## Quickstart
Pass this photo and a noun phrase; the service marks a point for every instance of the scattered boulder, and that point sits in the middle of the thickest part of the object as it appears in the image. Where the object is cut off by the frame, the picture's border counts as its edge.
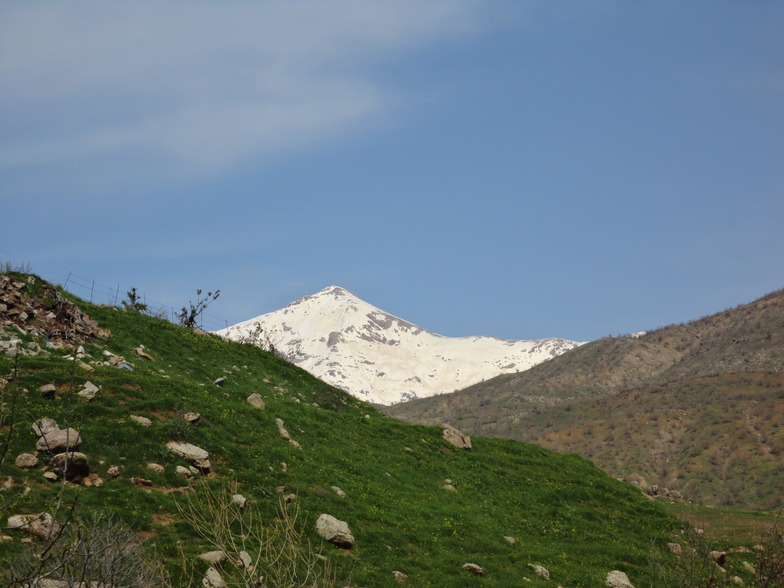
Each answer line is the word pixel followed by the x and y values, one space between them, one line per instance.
pixel 214 558
pixel 247 561
pixel 40 525
pixel 338 491
pixel 616 579
pixel 285 434
pixel 400 577
pixel 219 382
pixel 192 417
pixel 720 557
pixel 675 548
pixel 71 465
pixel 113 471
pixel 143 421
pixel 256 401
pixel 88 391
pixel 334 531
pixel 540 571
pixel 510 540
pixel 196 455
pixel 156 467
pixel 474 569
pixel 213 579
pixel 239 500
pixel 93 479
pixel 45 425
pixel 456 438
pixel 48 391
pixel 183 471
pixel 59 441
pixel 26 461
pixel 140 351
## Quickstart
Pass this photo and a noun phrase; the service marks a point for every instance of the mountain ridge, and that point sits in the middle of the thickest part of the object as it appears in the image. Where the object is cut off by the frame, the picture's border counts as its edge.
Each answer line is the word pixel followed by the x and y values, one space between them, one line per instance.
pixel 382 358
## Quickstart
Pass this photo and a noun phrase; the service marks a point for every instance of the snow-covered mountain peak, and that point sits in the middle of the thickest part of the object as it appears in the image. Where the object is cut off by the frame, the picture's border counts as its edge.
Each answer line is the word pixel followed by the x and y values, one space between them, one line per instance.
pixel 379 357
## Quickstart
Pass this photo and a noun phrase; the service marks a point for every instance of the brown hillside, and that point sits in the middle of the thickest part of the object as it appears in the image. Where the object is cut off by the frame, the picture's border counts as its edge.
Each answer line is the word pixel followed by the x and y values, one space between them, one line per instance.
pixel 697 362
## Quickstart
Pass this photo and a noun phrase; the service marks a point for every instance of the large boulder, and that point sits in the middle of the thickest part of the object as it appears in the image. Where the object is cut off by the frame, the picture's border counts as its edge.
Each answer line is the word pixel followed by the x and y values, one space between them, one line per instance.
pixel 456 438
pixel 59 441
pixel 335 531
pixel 40 525
pixel 71 465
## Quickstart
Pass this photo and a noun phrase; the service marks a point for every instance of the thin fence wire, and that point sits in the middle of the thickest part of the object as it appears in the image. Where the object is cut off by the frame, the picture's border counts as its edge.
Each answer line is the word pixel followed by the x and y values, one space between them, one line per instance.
pixel 98 293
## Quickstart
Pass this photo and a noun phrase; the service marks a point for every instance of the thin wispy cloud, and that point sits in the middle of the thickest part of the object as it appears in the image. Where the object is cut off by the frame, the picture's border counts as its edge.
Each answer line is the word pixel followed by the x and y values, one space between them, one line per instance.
pixel 187 89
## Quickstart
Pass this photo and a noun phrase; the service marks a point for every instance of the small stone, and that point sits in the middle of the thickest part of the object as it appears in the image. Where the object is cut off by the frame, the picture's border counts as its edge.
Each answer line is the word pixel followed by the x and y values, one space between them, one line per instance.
pixel 183 471
pixel 89 391
pixel 48 391
pixel 400 577
pixel 156 467
pixel 540 571
pixel 93 480
pixel 51 476
pixel 256 401
pixel 246 560
pixel 213 579
pixel 338 491
pixel 510 540
pixel 141 481
pixel 474 569
pixel 113 471
pixel 143 421
pixel 239 500
pixel 86 367
pixel 616 579
pixel 26 461
pixel 219 382
pixel 213 558
pixel 192 417
pixel 675 548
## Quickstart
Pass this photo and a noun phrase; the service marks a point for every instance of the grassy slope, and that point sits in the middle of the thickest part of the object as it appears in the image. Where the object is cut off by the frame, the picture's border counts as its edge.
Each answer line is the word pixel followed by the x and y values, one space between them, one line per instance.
pixel 564 513
pixel 693 394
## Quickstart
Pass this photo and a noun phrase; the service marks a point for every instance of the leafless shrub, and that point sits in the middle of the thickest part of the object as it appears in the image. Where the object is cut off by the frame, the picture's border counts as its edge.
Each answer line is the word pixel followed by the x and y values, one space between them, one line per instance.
pixel 99 551
pixel 770 559
pixel 273 554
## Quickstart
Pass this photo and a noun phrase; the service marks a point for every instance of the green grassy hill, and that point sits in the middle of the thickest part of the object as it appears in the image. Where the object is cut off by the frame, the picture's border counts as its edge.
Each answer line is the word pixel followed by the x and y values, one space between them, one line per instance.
pixel 694 407
pixel 561 511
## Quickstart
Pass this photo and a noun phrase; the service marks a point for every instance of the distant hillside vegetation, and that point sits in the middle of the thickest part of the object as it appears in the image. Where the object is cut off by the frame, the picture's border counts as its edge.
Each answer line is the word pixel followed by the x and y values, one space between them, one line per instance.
pixel 695 407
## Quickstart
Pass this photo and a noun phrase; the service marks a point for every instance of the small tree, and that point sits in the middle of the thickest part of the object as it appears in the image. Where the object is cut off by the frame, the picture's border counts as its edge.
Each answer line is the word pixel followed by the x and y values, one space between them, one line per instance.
pixel 133 302
pixel 188 316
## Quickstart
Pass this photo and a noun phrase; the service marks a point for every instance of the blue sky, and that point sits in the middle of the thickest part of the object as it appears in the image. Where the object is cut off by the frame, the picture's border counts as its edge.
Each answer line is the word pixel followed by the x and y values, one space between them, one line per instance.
pixel 520 169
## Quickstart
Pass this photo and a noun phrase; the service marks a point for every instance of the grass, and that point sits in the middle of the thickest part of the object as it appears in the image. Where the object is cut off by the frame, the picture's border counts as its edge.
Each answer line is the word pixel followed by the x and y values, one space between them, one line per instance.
pixel 563 512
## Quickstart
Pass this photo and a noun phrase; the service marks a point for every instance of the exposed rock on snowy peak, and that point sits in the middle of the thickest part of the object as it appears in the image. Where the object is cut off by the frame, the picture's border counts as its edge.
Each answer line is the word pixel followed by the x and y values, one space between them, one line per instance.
pixel 379 357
